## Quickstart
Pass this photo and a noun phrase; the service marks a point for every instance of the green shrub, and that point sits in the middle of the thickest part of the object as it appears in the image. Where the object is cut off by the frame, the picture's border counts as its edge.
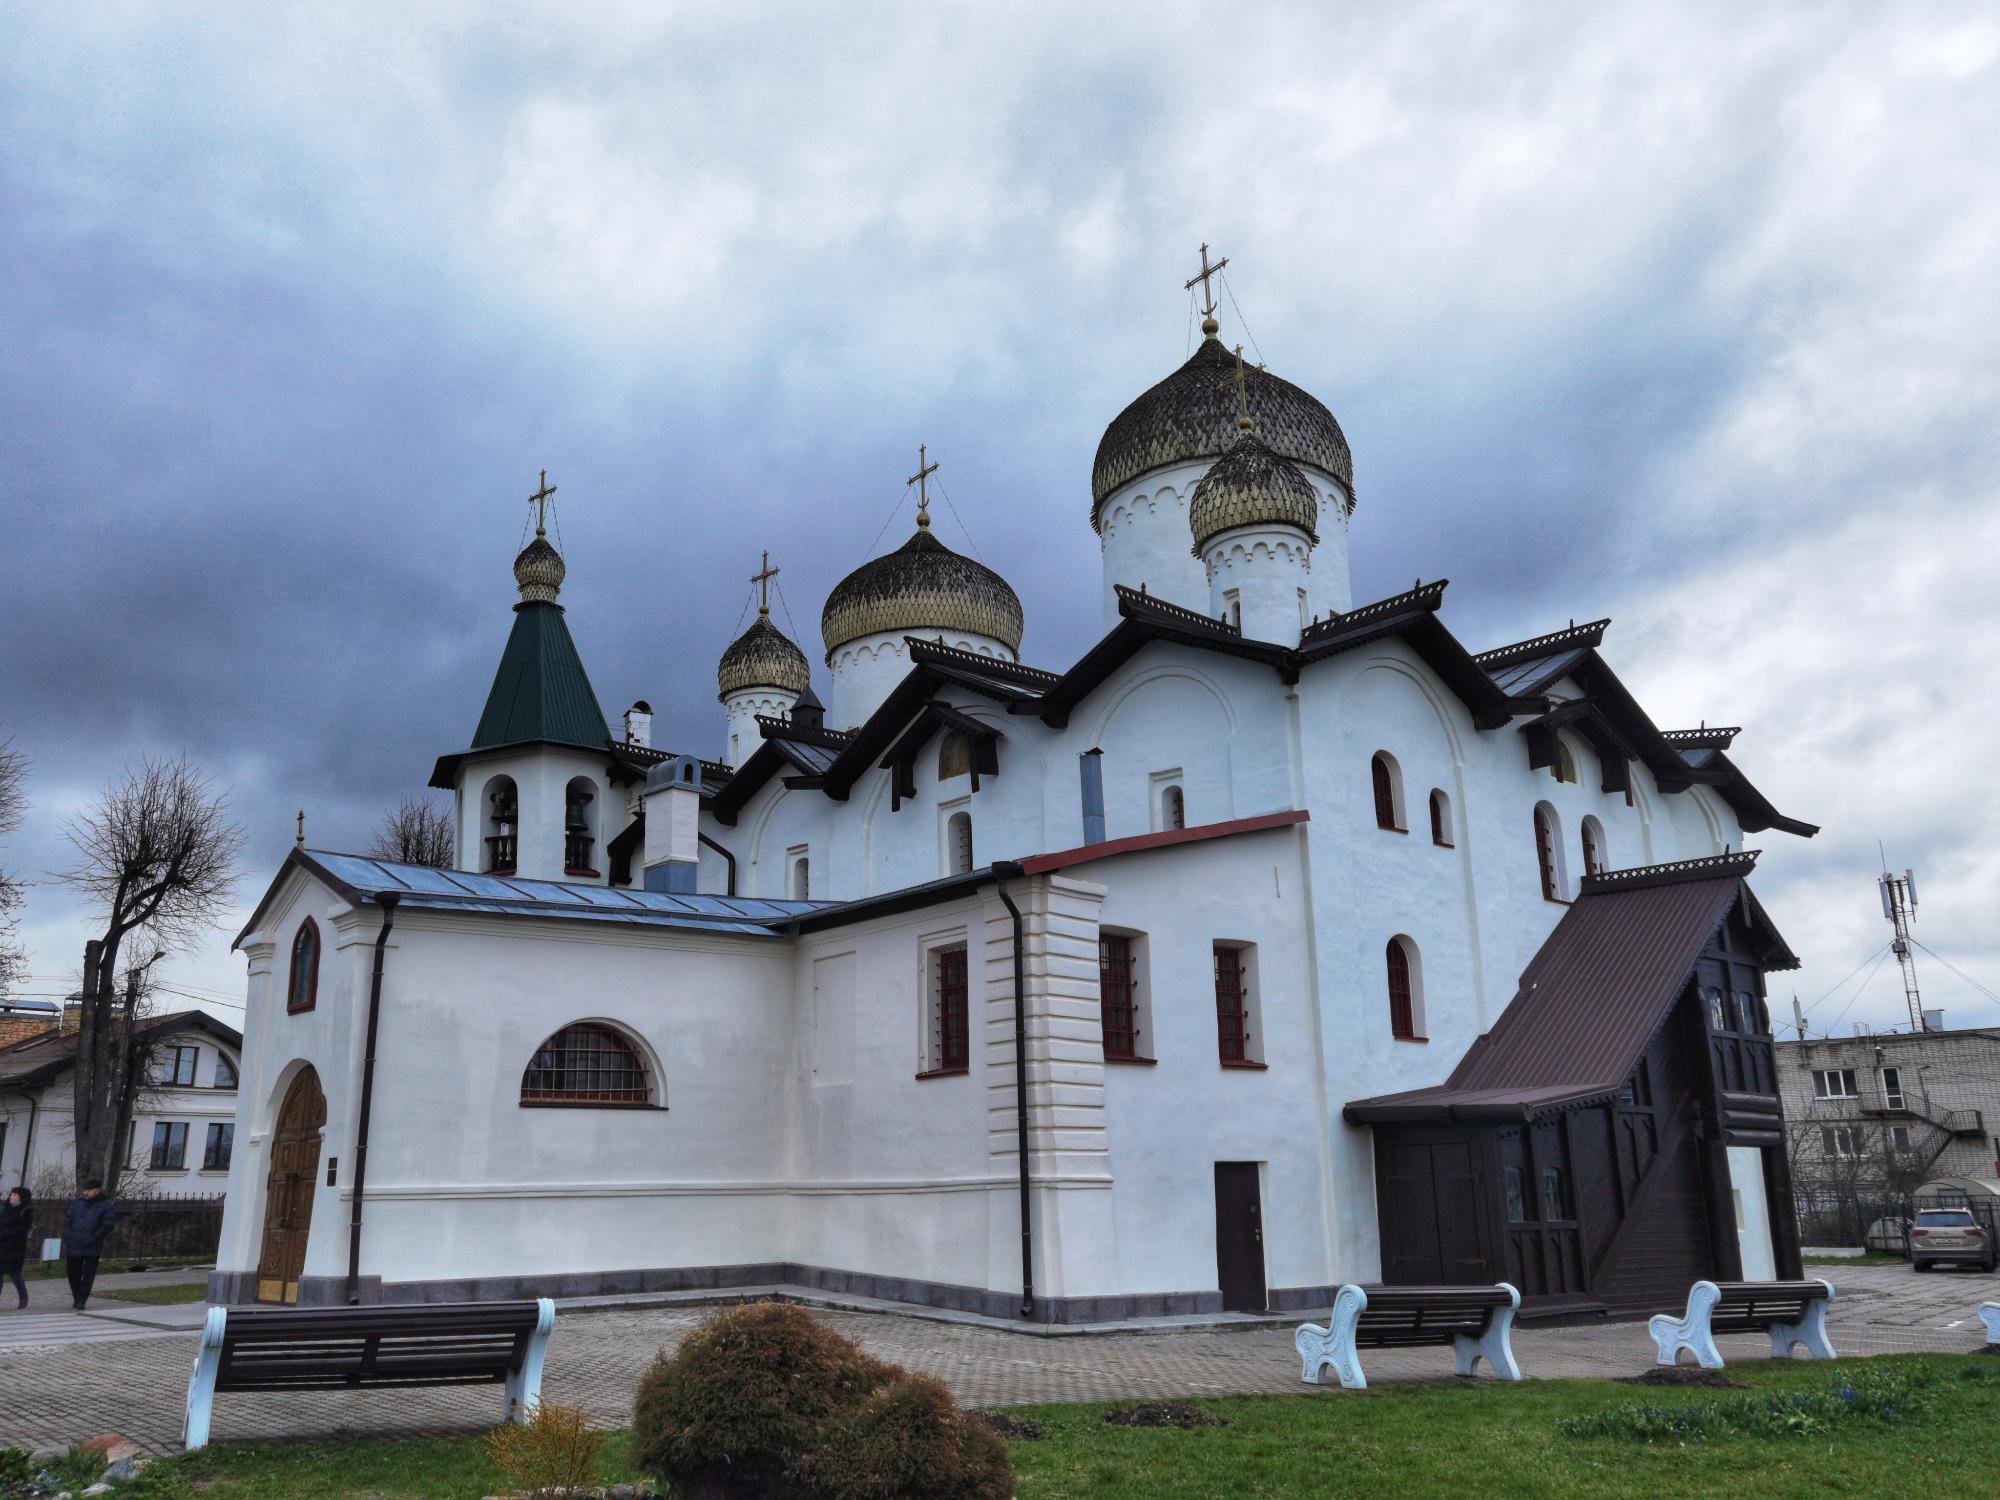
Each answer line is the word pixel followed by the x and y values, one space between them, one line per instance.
pixel 16 1466
pixel 768 1403
pixel 1869 1395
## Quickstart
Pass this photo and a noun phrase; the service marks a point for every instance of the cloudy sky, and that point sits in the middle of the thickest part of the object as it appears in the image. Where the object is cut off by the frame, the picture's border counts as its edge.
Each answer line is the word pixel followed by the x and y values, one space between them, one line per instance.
pixel 1679 314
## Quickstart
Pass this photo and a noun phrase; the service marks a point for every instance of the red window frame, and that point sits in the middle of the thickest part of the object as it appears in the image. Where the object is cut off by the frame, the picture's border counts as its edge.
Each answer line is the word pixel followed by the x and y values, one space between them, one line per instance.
pixel 953 1027
pixel 1385 796
pixel 1402 1012
pixel 1545 852
pixel 1117 989
pixel 302 991
pixel 1232 1019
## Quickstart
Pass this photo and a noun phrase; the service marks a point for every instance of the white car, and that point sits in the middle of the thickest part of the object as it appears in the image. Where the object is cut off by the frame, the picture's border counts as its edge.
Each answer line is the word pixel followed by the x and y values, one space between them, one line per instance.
pixel 1949 1236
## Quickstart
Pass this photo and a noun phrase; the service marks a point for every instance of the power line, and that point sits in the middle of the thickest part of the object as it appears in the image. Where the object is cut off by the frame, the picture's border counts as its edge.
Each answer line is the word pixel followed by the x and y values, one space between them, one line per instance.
pixel 1961 973
pixel 1254 345
pixel 1190 331
pixel 1879 960
pixel 1845 977
pixel 787 608
pixel 961 522
pixel 885 526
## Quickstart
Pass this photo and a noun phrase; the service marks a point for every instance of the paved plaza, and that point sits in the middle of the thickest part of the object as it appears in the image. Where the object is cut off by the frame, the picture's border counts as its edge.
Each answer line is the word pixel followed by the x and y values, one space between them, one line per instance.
pixel 65 1377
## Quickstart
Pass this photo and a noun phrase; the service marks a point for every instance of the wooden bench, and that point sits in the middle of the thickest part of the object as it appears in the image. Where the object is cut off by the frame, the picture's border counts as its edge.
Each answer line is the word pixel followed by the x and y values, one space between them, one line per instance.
pixel 360 1348
pixel 1475 1320
pixel 1989 1314
pixel 1792 1312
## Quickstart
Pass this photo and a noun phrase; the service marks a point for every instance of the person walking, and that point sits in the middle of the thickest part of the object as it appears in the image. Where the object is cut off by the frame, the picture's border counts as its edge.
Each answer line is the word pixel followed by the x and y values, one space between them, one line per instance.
pixel 91 1220
pixel 16 1218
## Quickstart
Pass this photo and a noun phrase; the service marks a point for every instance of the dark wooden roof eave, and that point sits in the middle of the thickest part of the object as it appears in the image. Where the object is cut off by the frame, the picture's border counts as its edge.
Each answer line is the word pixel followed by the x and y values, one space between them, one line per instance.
pixel 1412 617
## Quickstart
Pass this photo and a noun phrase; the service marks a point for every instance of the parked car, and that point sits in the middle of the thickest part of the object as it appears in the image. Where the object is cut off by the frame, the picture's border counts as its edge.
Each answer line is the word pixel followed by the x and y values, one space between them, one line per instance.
pixel 1949 1236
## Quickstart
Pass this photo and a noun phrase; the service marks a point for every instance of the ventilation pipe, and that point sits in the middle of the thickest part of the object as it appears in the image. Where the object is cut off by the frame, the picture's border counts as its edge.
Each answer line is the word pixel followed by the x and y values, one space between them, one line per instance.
pixel 1090 766
pixel 673 825
pixel 639 724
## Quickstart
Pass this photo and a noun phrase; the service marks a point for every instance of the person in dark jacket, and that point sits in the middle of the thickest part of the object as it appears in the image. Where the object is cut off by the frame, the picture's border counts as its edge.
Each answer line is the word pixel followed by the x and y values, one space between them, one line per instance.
pixel 16 1217
pixel 91 1220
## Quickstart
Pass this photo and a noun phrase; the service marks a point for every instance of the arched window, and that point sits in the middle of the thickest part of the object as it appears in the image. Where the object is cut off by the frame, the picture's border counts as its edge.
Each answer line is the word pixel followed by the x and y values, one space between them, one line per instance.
pixel 502 821
pixel 579 827
pixel 1173 808
pixel 958 843
pixel 954 755
pixel 1593 847
pixel 1440 818
pixel 1548 852
pixel 1406 1005
pixel 1565 767
pixel 1388 781
pixel 587 1063
pixel 303 990
pixel 801 879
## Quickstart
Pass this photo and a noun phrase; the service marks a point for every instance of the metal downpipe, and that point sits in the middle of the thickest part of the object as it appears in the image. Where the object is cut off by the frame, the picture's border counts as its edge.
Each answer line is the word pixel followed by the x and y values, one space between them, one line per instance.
pixel 387 900
pixel 1001 874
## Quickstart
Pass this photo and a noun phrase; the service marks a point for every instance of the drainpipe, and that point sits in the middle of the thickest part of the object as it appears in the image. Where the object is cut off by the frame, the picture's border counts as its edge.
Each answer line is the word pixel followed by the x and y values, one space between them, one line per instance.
pixel 727 858
pixel 28 1151
pixel 387 900
pixel 1002 872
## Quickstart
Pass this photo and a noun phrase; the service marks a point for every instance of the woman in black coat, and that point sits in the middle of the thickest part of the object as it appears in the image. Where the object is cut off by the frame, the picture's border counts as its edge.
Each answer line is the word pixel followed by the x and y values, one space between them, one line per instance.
pixel 16 1214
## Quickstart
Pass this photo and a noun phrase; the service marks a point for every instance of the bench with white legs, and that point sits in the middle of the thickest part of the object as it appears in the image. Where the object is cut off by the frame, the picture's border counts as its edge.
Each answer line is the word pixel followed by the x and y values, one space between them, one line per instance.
pixel 1989 1314
pixel 1792 1312
pixel 1475 1321
pixel 358 1348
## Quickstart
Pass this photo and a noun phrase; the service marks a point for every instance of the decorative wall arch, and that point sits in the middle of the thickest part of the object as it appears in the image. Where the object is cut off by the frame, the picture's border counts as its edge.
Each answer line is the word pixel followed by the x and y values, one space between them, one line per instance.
pixel 1138 680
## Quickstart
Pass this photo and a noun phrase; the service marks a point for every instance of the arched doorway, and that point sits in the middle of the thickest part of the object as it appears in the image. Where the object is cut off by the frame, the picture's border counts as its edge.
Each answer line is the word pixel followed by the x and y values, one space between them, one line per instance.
pixel 288 1190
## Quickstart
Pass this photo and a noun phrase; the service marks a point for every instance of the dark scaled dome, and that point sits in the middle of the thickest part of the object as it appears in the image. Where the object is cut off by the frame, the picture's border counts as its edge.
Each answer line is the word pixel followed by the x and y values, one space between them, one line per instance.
pixel 922 586
pixel 539 571
pixel 1251 486
pixel 1191 415
pixel 762 657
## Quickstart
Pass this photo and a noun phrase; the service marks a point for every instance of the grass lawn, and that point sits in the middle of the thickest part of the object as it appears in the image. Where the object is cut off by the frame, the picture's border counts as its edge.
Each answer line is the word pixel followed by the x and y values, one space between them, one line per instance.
pixel 1869 1258
pixel 156 1296
pixel 1408 1442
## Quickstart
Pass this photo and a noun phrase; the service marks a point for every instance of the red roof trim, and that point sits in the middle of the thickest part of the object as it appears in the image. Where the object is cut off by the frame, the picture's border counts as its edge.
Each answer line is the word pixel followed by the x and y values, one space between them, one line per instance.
pixel 1041 864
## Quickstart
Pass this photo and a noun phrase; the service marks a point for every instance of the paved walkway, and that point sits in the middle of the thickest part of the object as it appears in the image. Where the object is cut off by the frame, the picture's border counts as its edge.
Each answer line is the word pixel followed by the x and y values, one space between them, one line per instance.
pixel 57 1392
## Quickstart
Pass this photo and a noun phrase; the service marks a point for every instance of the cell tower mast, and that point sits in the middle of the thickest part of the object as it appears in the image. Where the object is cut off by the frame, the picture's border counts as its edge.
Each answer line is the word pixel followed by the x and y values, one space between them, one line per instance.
pixel 1899 904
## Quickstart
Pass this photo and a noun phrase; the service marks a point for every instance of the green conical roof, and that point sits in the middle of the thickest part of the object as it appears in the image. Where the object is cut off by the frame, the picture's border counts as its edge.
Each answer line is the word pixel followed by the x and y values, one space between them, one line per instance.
pixel 541 691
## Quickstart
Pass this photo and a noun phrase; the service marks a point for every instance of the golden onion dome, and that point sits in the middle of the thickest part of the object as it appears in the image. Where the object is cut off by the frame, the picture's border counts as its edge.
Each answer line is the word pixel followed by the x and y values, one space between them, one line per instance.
pixel 1251 486
pixel 762 657
pixel 922 586
pixel 1191 416
pixel 539 571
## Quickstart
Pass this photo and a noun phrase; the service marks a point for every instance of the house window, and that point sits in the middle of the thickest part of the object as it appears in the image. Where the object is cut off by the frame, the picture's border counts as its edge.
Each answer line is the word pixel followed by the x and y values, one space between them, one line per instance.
pixel 1232 1004
pixel 1749 1014
pixel 950 1031
pixel 1173 809
pixel 170 1144
pixel 1840 1140
pixel 1555 1194
pixel 304 988
pixel 174 1067
pixel 954 756
pixel 1388 782
pixel 225 1072
pixel 1118 996
pixel 958 842
pixel 1517 1202
pixel 1835 1083
pixel 587 1063
pixel 1546 853
pixel 1406 1007
pixel 216 1152
pixel 1899 1137
pixel 1892 1087
pixel 503 825
pixel 1717 1005
pixel 1593 847
pixel 1440 819
pixel 1564 768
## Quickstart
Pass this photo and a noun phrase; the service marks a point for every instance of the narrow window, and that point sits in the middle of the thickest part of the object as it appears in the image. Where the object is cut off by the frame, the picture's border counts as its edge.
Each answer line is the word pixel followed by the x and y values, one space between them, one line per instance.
pixel 170 1140
pixel 958 837
pixel 954 756
pixel 1402 1023
pixel 1440 819
pixel 1517 1200
pixel 801 879
pixel 950 1029
pixel 221 1144
pixel 1555 1196
pixel 503 822
pixel 304 990
pixel 1565 767
pixel 1388 804
pixel 225 1072
pixel 1232 1021
pixel 1899 1137
pixel 1232 608
pixel 579 827
pixel 1892 1087
pixel 1718 1008
pixel 1545 854
pixel 1117 990
pixel 1593 847
pixel 1173 808
pixel 587 1063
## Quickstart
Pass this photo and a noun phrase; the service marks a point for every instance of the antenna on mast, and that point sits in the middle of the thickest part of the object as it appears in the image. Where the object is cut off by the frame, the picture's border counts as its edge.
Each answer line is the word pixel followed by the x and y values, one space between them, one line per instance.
pixel 1899 905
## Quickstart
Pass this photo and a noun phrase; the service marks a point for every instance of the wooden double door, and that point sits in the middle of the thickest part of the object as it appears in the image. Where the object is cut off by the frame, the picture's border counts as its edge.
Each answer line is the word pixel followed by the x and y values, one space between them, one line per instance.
pixel 288 1189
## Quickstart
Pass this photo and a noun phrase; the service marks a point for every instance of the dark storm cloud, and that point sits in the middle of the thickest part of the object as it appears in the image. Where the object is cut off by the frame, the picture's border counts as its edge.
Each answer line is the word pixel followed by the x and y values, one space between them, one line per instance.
pixel 1617 309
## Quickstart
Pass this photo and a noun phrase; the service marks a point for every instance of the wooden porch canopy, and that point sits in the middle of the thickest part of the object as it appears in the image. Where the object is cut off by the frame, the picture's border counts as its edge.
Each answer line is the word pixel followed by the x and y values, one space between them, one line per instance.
pixel 934 717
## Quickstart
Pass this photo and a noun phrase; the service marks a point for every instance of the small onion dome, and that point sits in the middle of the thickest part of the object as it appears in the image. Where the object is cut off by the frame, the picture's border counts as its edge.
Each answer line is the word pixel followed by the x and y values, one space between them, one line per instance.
pixel 922 586
pixel 1191 415
pixel 762 657
pixel 1251 486
pixel 540 572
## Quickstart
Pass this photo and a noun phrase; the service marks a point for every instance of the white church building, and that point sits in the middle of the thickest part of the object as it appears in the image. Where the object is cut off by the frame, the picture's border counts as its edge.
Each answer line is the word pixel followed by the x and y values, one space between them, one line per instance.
pixel 1058 992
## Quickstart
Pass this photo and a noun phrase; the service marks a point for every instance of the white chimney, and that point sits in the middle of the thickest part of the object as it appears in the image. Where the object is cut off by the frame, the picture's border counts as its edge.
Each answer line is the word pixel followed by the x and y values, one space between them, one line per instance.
pixel 673 825
pixel 639 724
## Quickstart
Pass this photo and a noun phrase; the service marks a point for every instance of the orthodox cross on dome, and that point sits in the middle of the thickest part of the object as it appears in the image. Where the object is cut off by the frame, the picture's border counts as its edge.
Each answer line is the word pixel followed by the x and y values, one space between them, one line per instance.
pixel 921 479
pixel 540 500
pixel 1208 323
pixel 1241 380
pixel 763 582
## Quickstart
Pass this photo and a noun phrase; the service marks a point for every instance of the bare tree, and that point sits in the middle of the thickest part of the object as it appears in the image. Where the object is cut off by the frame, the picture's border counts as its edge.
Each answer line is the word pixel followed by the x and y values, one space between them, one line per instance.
pixel 13 805
pixel 159 855
pixel 418 832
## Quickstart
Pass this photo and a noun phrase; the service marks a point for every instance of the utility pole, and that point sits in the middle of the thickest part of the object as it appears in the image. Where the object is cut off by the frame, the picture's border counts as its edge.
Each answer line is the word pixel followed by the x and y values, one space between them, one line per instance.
pixel 1899 904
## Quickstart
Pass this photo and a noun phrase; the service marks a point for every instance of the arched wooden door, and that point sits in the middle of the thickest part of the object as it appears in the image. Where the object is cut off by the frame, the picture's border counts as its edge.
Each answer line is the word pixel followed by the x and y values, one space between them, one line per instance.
pixel 288 1190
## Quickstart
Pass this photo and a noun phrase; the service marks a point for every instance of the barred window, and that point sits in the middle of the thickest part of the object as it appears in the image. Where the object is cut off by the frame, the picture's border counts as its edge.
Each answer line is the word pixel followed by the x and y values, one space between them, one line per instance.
pixel 951 1050
pixel 1232 1019
pixel 587 1063
pixel 1118 997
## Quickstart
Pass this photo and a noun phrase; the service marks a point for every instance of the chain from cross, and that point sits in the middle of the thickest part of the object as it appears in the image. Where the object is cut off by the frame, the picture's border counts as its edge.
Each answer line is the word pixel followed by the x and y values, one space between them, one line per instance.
pixel 540 500
pixel 1240 378
pixel 763 582
pixel 921 479
pixel 1207 291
